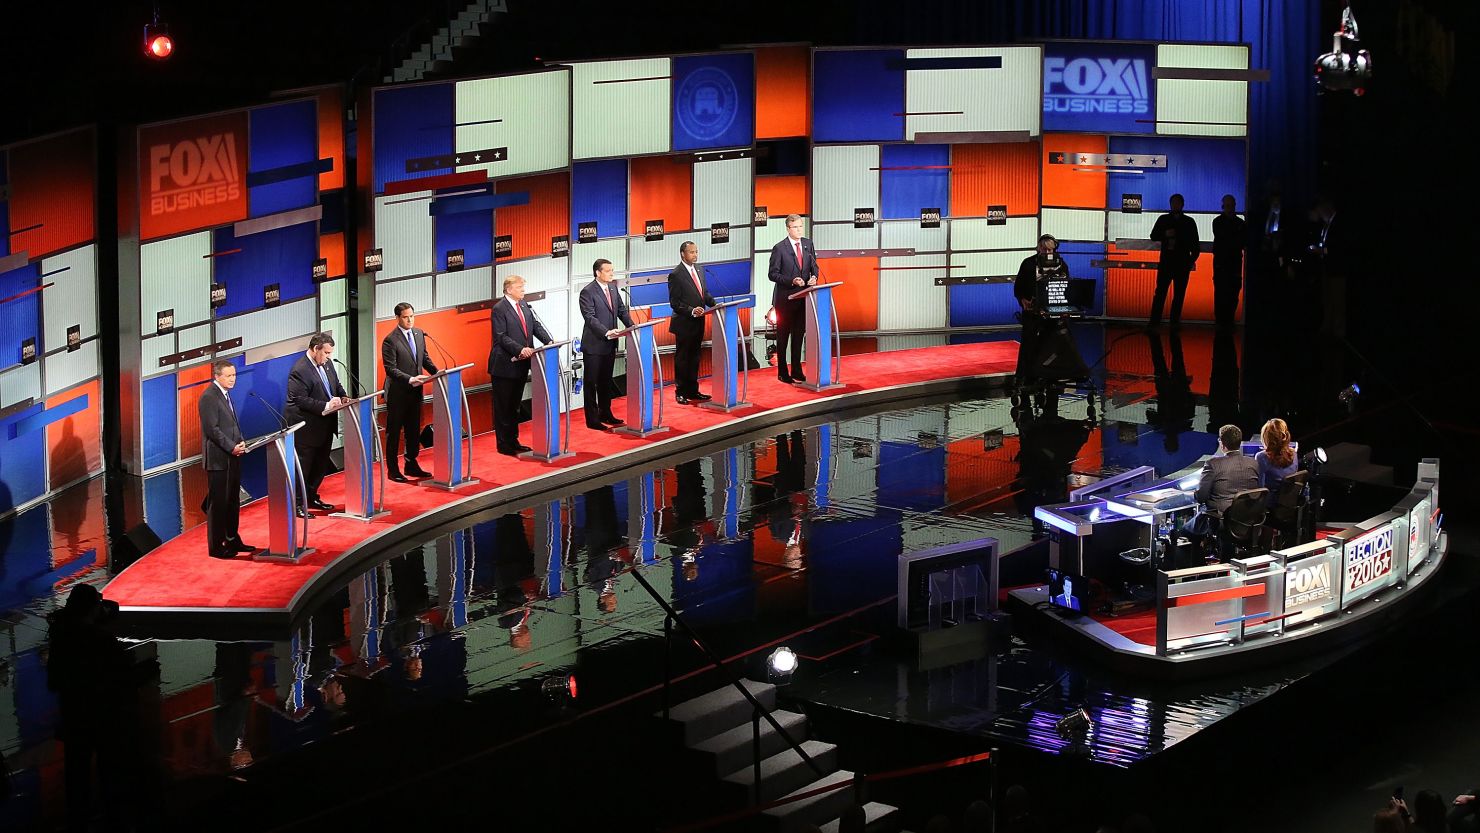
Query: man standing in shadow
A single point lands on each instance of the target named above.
(1177, 234)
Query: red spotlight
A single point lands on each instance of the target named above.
(157, 41)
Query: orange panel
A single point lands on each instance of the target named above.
(1128, 292)
(983, 175)
(331, 140)
(191, 382)
(783, 104)
(858, 302)
(974, 473)
(79, 526)
(75, 443)
(1063, 187)
(194, 484)
(1132, 355)
(782, 194)
(660, 188)
(467, 336)
(331, 249)
(547, 215)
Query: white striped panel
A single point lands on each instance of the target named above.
(981, 99)
(844, 236)
(20, 383)
(988, 264)
(333, 298)
(975, 233)
(1138, 226)
(774, 232)
(909, 298)
(907, 234)
(554, 312)
(154, 348)
(267, 326)
(621, 119)
(191, 338)
(63, 370)
(737, 249)
(1226, 103)
(647, 255)
(541, 274)
(403, 233)
(906, 427)
(844, 177)
(1086, 224)
(464, 287)
(722, 192)
(531, 115)
(74, 297)
(175, 274)
(585, 254)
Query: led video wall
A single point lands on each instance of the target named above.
(50, 398)
(235, 250)
(925, 177)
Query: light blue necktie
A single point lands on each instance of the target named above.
(411, 342)
(324, 377)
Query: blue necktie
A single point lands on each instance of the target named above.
(411, 342)
(324, 377)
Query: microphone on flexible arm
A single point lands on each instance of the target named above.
(353, 382)
(282, 423)
(446, 355)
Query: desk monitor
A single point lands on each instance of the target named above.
(1068, 591)
(1117, 484)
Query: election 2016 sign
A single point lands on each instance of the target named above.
(1368, 560)
(1099, 87)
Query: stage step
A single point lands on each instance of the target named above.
(718, 711)
(783, 772)
(815, 810)
(879, 818)
(731, 750)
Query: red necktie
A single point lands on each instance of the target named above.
(519, 312)
(695, 275)
(798, 245)
(607, 294)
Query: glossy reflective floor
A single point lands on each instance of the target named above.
(788, 537)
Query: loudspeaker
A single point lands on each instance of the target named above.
(135, 544)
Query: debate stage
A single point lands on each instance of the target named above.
(177, 586)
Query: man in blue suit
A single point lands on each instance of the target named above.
(514, 330)
(602, 309)
(793, 267)
(314, 393)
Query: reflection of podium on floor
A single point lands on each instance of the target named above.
(823, 343)
(362, 448)
(548, 399)
(452, 428)
(287, 534)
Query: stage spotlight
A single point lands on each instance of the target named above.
(1074, 723)
(862, 449)
(560, 689)
(157, 41)
(1349, 396)
(771, 316)
(780, 665)
(1340, 70)
(1313, 460)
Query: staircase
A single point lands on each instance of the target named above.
(435, 57)
(716, 730)
(1354, 462)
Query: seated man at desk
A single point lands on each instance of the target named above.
(1224, 475)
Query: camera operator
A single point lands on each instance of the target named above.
(1043, 265)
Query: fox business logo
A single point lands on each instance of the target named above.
(193, 173)
(1095, 85)
(1305, 585)
(1369, 558)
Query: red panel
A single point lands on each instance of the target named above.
(1228, 594)
(983, 175)
(192, 174)
(1064, 187)
(468, 336)
(974, 473)
(1132, 355)
(79, 526)
(51, 186)
(331, 249)
(194, 484)
(858, 302)
(783, 103)
(331, 139)
(660, 188)
(75, 443)
(433, 183)
(782, 195)
(547, 215)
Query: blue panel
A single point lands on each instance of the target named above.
(283, 256)
(725, 279)
(268, 380)
(35, 705)
(982, 305)
(159, 420)
(904, 193)
(713, 101)
(36, 422)
(471, 231)
(162, 509)
(649, 294)
(284, 135)
(20, 317)
(1099, 88)
(1201, 170)
(911, 477)
(858, 95)
(723, 591)
(411, 123)
(1167, 453)
(1078, 257)
(598, 193)
(851, 562)
(464, 203)
(22, 461)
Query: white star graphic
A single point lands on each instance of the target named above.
(477, 157)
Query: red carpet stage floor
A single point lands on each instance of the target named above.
(178, 576)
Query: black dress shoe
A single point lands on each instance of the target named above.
(413, 470)
(784, 379)
(321, 505)
(701, 397)
(613, 421)
(302, 514)
(798, 374)
(681, 399)
(596, 426)
(396, 476)
(226, 555)
(241, 546)
(523, 448)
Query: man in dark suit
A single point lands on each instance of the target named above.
(1230, 236)
(314, 394)
(222, 448)
(602, 309)
(1228, 473)
(688, 294)
(1177, 234)
(793, 266)
(404, 355)
(515, 328)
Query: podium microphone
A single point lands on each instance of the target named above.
(354, 383)
(282, 423)
(446, 355)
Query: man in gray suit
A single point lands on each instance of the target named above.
(222, 448)
(603, 310)
(1228, 473)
